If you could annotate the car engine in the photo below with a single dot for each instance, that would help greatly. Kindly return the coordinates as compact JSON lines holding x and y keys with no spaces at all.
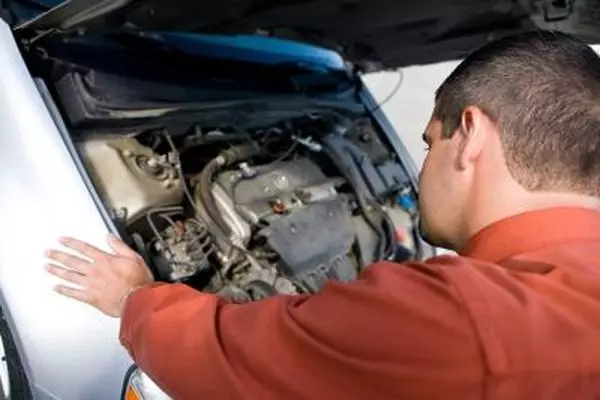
{"x":247,"y":215}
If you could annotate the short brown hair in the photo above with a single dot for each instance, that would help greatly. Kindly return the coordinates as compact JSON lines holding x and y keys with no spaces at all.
{"x":543,"y":90}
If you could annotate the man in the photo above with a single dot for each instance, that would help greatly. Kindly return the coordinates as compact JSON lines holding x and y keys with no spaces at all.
{"x":511,"y":182}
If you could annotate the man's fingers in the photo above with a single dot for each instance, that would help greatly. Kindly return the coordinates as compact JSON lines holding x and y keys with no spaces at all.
{"x":68,"y":260}
{"x":84,"y":248}
{"x":119,"y":247}
{"x":66,"y":274}
{"x":73,"y":293}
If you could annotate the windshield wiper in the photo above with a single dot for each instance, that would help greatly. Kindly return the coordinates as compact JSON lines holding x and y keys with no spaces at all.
{"x":254,"y":105}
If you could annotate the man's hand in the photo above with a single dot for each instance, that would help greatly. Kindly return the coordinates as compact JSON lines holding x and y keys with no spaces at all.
{"x":105,"y":279}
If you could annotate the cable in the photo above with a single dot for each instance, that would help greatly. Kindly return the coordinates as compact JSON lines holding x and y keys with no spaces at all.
{"x":168,"y":219}
{"x":364,"y":207}
{"x":390,"y":96}
{"x":179,"y":169}
{"x":158,"y":210}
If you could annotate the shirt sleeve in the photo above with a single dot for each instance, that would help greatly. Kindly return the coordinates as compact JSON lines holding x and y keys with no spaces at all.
{"x":398,"y":331}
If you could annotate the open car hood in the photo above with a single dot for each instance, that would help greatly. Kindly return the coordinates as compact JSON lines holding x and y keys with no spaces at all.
{"x":371,"y":34}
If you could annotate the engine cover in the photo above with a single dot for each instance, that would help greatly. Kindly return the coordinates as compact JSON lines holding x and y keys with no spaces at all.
{"x":314,"y":241}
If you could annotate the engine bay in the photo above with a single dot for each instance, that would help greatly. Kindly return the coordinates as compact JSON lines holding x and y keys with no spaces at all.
{"x":279,"y":209}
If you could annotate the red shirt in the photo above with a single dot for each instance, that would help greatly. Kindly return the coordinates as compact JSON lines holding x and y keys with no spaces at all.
{"x":517,"y":316}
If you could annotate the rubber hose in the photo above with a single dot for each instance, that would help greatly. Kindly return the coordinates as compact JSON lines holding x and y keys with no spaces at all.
{"x":362,"y":204}
{"x":224,"y":159}
{"x":238,"y":153}
{"x":206,"y":197}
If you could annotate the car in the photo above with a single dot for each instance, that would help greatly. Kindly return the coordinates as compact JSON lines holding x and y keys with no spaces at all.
{"x":233,"y":144}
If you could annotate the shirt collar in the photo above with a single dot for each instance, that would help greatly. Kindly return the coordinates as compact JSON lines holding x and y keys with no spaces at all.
{"x":531,"y":231}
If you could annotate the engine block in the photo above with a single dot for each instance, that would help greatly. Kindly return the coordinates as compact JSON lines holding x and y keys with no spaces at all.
{"x":272,"y":189}
{"x":250,"y":195}
{"x":297,"y":211}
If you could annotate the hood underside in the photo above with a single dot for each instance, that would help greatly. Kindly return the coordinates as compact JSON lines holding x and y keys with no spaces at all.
{"x":372,"y":34}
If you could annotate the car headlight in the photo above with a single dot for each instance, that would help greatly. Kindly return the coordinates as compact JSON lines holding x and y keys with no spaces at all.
{"x":139,"y":386}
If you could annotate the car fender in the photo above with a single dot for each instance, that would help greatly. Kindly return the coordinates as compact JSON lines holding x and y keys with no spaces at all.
{"x":69,"y":349}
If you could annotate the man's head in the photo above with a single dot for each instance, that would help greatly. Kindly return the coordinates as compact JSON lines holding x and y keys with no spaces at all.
{"x":515,"y":127}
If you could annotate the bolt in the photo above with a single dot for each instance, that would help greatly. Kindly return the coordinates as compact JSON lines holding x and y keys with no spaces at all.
{"x":152,"y":162}
{"x":281,"y":182}
{"x":278,"y":206}
{"x":222,"y":258}
{"x":121,"y":213}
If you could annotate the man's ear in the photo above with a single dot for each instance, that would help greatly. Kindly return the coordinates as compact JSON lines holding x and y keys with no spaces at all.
{"x":473,"y":132}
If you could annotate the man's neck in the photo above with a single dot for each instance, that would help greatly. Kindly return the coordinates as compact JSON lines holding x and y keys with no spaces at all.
{"x":503,"y":207}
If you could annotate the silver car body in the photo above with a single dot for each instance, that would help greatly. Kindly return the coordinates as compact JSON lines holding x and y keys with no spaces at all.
{"x":69,"y":350}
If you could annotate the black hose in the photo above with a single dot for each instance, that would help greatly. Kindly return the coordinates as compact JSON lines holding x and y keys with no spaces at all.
{"x":224,"y":159}
{"x":365,"y":209}
{"x":206,"y":197}
{"x":237,"y":153}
